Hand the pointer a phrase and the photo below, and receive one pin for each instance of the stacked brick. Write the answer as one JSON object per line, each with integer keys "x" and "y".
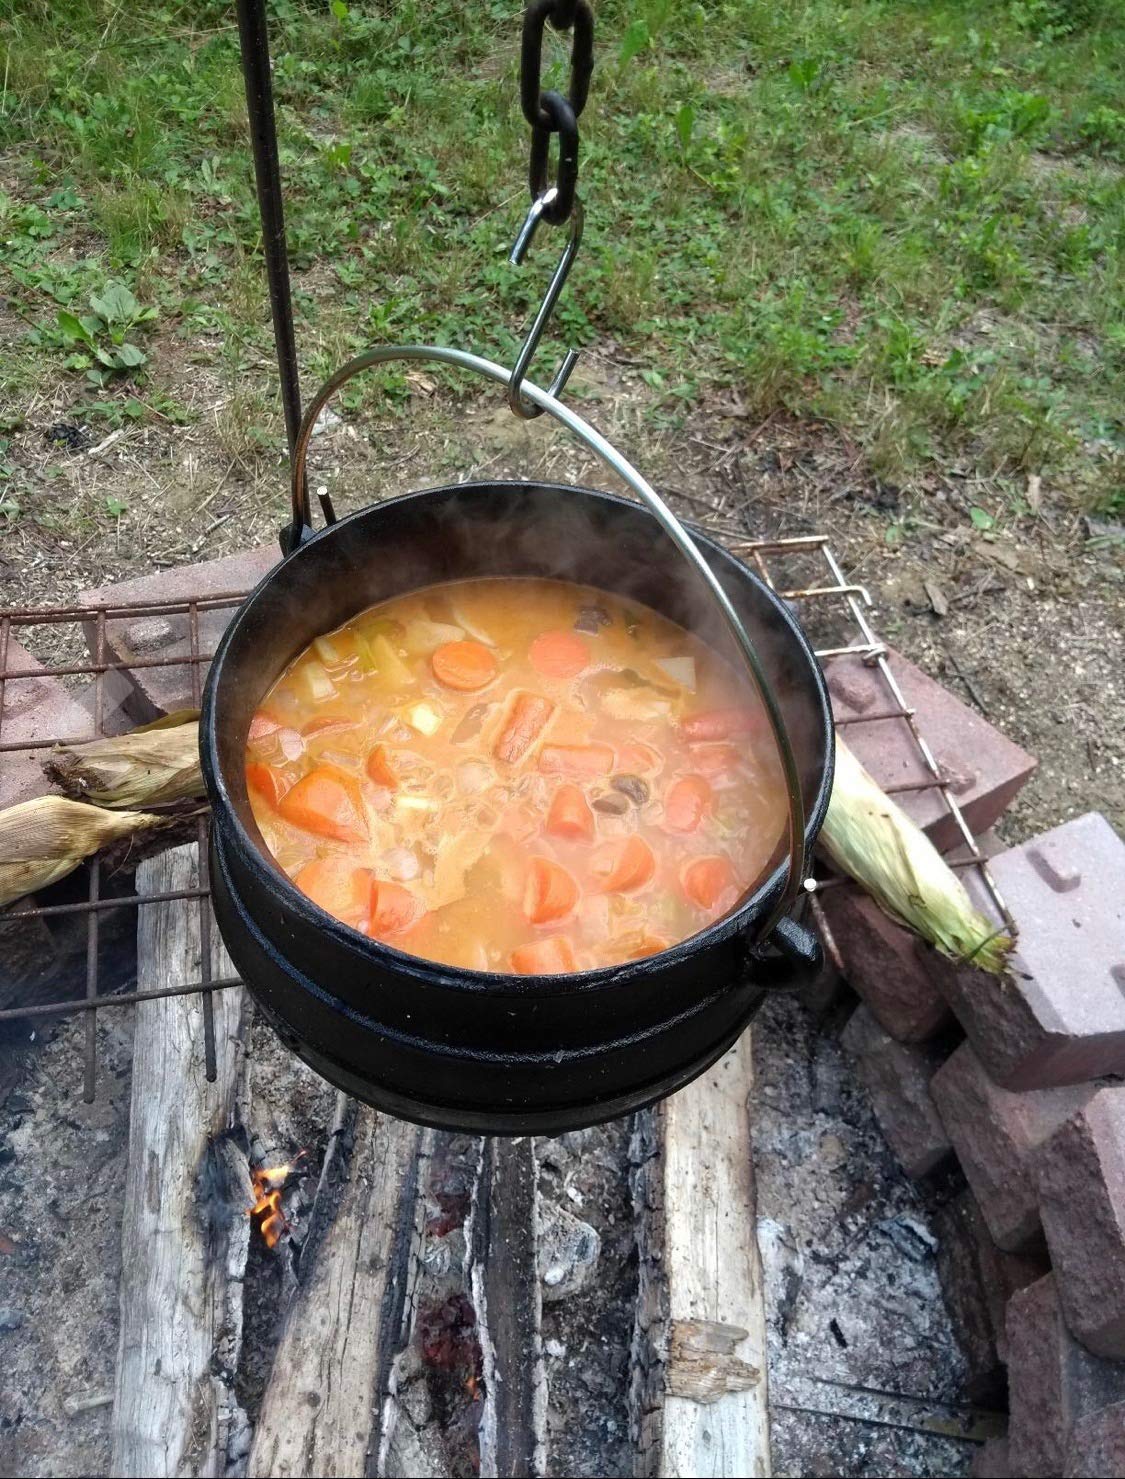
{"x": 1022, "y": 1079}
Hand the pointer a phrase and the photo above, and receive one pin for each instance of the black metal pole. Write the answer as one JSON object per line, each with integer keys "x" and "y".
{"x": 254, "y": 39}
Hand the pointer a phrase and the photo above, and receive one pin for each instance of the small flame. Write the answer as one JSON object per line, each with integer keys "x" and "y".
{"x": 268, "y": 1183}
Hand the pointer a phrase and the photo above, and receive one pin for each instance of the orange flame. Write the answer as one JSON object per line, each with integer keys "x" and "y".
{"x": 268, "y": 1183}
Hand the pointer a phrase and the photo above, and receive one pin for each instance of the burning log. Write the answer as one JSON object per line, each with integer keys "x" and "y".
{"x": 698, "y": 1396}
{"x": 185, "y": 1229}
{"x": 322, "y": 1410}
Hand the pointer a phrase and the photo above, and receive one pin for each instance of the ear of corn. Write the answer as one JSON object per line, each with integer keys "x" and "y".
{"x": 43, "y": 840}
{"x": 870, "y": 839}
{"x": 159, "y": 762}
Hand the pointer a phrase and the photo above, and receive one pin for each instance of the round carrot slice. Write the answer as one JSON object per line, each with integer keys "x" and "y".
{"x": 687, "y": 799}
{"x": 338, "y": 886}
{"x": 550, "y": 957}
{"x": 380, "y": 769}
{"x": 559, "y": 654}
{"x": 394, "y": 909}
{"x": 570, "y": 815}
{"x": 650, "y": 945}
{"x": 621, "y": 867}
{"x": 465, "y": 666}
{"x": 270, "y": 784}
{"x": 706, "y": 880}
{"x": 550, "y": 893}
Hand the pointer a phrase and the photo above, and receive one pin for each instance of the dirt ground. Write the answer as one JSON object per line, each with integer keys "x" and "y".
{"x": 1023, "y": 620}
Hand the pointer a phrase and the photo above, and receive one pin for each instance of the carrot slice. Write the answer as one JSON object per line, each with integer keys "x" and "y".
{"x": 649, "y": 945}
{"x": 324, "y": 722}
{"x": 326, "y": 801}
{"x": 621, "y": 867}
{"x": 262, "y": 726}
{"x": 706, "y": 880}
{"x": 338, "y": 886}
{"x": 580, "y": 760}
{"x": 720, "y": 724}
{"x": 465, "y": 666}
{"x": 529, "y": 713}
{"x": 686, "y": 801}
{"x": 550, "y": 957}
{"x": 550, "y": 894}
{"x": 394, "y": 909}
{"x": 270, "y": 784}
{"x": 570, "y": 815}
{"x": 635, "y": 758}
{"x": 559, "y": 654}
{"x": 380, "y": 769}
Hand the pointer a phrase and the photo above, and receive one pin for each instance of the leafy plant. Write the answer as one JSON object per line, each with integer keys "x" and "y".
{"x": 101, "y": 335}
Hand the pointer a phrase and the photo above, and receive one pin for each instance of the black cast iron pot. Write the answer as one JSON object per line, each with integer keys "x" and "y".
{"x": 464, "y": 1049}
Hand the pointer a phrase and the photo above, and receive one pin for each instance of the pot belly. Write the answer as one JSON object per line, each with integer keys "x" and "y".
{"x": 500, "y": 1085}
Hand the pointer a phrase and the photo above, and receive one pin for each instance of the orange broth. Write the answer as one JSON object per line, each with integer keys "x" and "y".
{"x": 516, "y": 775}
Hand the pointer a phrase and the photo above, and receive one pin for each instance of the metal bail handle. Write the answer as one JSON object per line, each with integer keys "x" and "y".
{"x": 593, "y": 439}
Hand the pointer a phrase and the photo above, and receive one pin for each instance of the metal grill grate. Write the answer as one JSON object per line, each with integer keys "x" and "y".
{"x": 838, "y": 608}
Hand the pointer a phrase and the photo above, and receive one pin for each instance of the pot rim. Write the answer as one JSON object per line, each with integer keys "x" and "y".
{"x": 496, "y": 983}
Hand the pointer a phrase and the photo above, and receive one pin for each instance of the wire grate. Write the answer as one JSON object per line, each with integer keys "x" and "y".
{"x": 802, "y": 569}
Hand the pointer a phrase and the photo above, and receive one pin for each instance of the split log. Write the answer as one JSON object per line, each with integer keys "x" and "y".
{"x": 698, "y": 1395}
{"x": 503, "y": 1243}
{"x": 185, "y": 1229}
{"x": 321, "y": 1413}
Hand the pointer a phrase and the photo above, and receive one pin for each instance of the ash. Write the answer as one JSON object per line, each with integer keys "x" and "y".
{"x": 865, "y": 1376}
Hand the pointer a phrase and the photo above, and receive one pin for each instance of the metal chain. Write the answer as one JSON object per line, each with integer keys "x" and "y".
{"x": 550, "y": 112}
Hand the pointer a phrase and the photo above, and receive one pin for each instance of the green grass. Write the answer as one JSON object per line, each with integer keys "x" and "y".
{"x": 906, "y": 218}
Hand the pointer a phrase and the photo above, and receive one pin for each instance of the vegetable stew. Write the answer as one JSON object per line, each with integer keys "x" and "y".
{"x": 516, "y": 775}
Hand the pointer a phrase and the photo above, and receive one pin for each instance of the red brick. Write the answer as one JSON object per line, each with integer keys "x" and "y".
{"x": 1081, "y": 1175}
{"x": 160, "y": 689}
{"x": 977, "y": 1280}
{"x": 886, "y": 964}
{"x": 1058, "y": 1391}
{"x": 1059, "y": 1017}
{"x": 36, "y": 709}
{"x": 1096, "y": 1446}
{"x": 995, "y": 1134}
{"x": 897, "y": 1078}
{"x": 985, "y": 769}
{"x": 992, "y": 1461}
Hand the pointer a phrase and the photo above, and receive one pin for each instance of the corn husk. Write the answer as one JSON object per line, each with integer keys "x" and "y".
{"x": 870, "y": 839}
{"x": 43, "y": 840}
{"x": 159, "y": 762}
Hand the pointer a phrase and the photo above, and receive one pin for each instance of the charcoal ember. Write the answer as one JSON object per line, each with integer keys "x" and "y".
{"x": 568, "y": 1251}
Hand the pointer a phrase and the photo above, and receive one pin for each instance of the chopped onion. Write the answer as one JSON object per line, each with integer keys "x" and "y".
{"x": 401, "y": 864}
{"x": 423, "y": 636}
{"x": 470, "y": 626}
{"x": 474, "y": 776}
{"x": 326, "y": 651}
{"x": 681, "y": 670}
{"x": 291, "y": 744}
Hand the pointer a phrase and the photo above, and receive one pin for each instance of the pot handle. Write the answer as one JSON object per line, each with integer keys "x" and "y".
{"x": 789, "y": 958}
{"x": 301, "y": 528}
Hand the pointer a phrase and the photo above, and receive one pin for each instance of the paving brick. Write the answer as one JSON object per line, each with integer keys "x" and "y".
{"x": 1059, "y": 1392}
{"x": 1096, "y": 1446}
{"x": 985, "y": 769}
{"x": 897, "y": 1078}
{"x": 1059, "y": 1017}
{"x": 977, "y": 1280}
{"x": 992, "y": 1461}
{"x": 1081, "y": 1176}
{"x": 995, "y": 1134}
{"x": 886, "y": 964}
{"x": 36, "y": 709}
{"x": 160, "y": 689}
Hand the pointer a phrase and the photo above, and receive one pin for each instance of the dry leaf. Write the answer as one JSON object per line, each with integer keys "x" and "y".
{"x": 1034, "y": 492}
{"x": 937, "y": 597}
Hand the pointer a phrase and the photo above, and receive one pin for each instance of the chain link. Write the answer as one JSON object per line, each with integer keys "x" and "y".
{"x": 552, "y": 112}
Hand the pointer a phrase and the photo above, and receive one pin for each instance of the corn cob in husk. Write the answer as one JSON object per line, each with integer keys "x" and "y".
{"x": 43, "y": 840}
{"x": 870, "y": 839}
{"x": 159, "y": 762}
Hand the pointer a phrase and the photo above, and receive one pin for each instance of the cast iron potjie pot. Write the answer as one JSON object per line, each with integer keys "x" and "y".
{"x": 463, "y": 1049}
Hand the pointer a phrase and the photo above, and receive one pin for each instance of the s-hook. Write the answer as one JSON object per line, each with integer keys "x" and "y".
{"x": 516, "y": 400}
